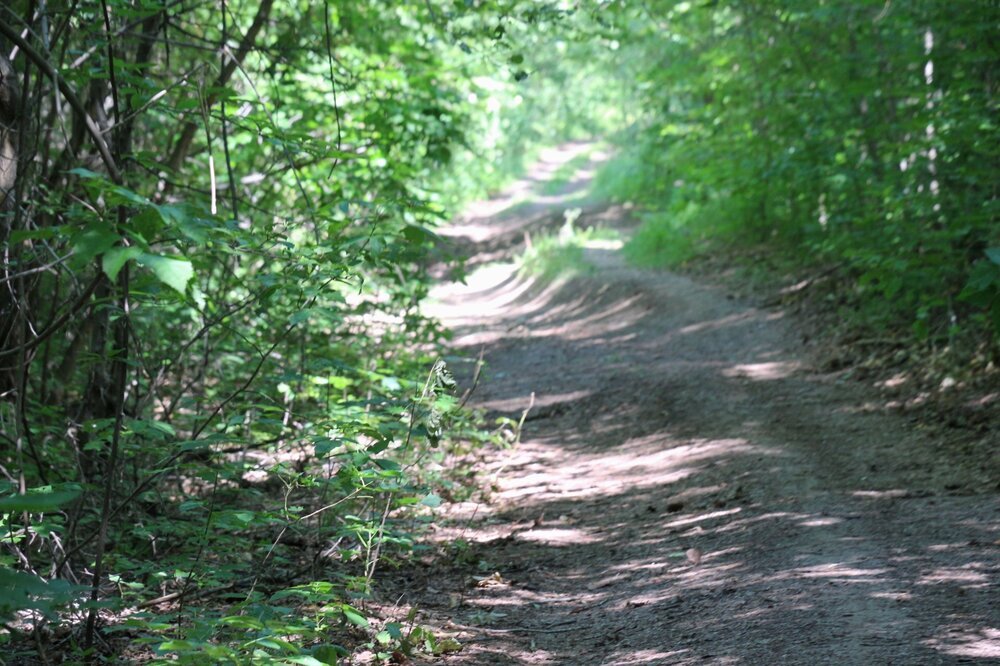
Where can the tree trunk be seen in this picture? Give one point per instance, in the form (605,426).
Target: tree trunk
(10,116)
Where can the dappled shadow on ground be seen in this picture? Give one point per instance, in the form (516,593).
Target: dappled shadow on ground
(688,490)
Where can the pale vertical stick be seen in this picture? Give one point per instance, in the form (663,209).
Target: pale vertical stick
(211,175)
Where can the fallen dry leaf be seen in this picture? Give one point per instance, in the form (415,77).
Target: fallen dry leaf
(495,579)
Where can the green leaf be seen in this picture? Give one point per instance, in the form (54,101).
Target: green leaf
(20,590)
(196,229)
(116,257)
(447,645)
(96,239)
(146,224)
(84,173)
(432,500)
(36,502)
(31,234)
(395,630)
(301,316)
(353,615)
(276,644)
(994,254)
(323,445)
(416,234)
(173,272)
(171,214)
(16,583)
(243,516)
(242,622)
(152,429)
(120,194)
(387,465)
(330,654)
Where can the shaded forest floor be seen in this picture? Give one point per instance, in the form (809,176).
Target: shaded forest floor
(692,484)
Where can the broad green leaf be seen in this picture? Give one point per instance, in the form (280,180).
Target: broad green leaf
(96,239)
(150,428)
(242,621)
(191,226)
(330,655)
(272,643)
(417,234)
(147,224)
(19,583)
(323,445)
(353,615)
(20,590)
(84,173)
(431,500)
(36,502)
(301,316)
(243,516)
(32,234)
(173,272)
(171,214)
(115,258)
(125,195)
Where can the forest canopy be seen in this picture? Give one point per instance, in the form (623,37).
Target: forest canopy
(220,397)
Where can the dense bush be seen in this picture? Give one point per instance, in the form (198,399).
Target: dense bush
(219,396)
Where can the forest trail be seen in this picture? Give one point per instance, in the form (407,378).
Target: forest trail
(688,488)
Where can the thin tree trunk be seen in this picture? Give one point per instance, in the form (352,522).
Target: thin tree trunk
(10,123)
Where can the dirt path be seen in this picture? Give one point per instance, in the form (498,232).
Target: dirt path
(689,490)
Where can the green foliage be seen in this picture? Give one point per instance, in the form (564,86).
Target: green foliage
(551,258)
(837,132)
(23,592)
(562,254)
(672,237)
(637,173)
(547,74)
(216,380)
(983,287)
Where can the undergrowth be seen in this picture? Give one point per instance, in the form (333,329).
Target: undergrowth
(562,254)
(873,295)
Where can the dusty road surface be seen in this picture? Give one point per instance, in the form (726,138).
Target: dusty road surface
(688,489)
